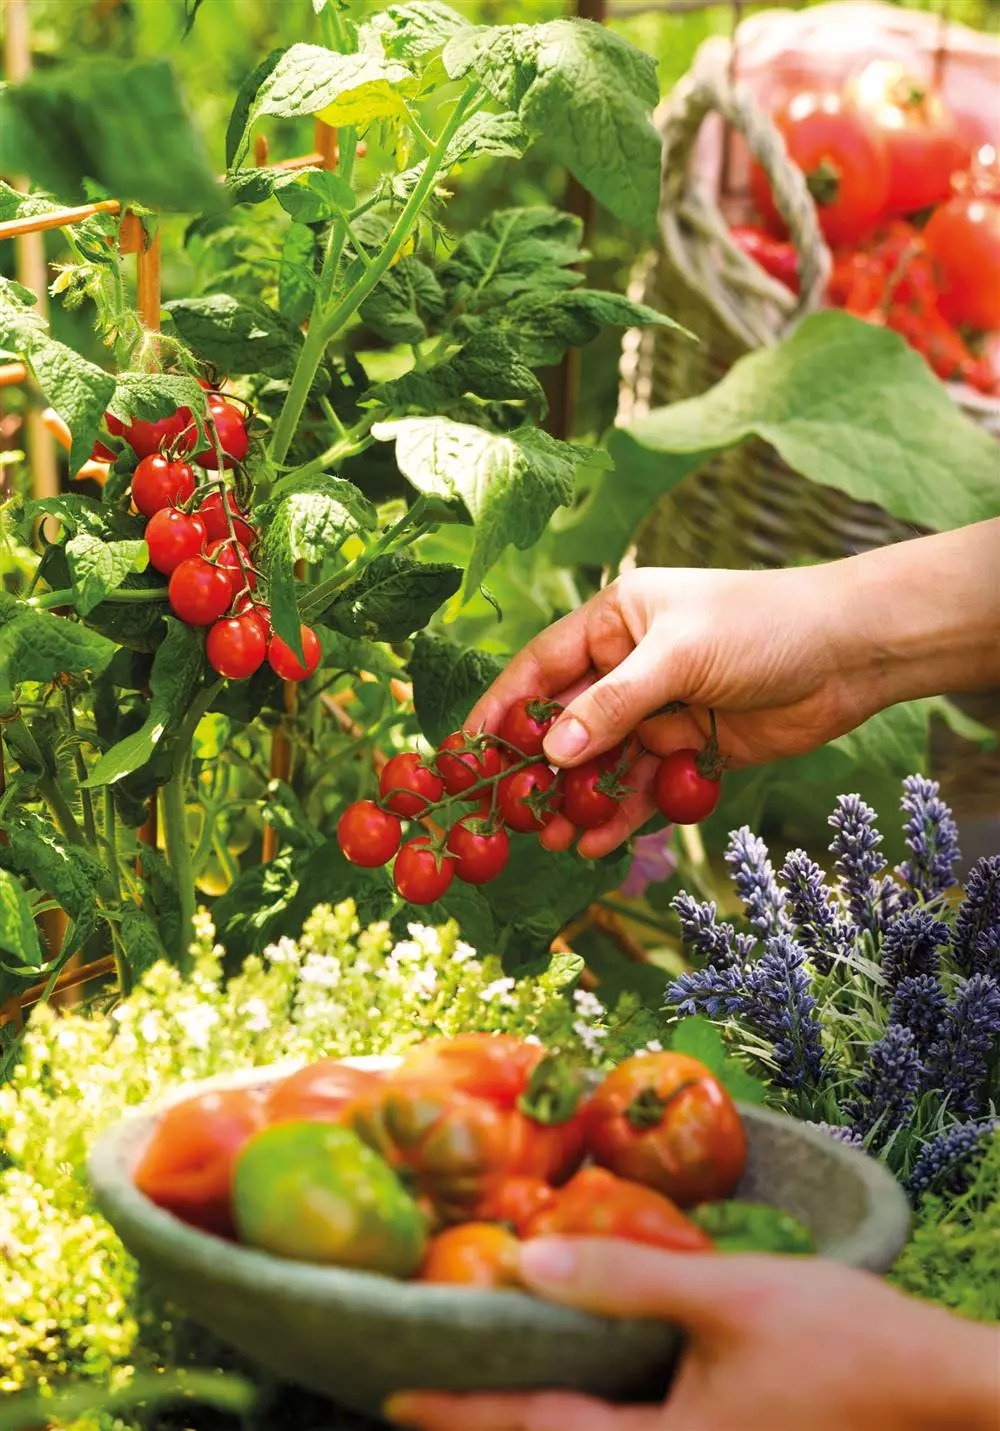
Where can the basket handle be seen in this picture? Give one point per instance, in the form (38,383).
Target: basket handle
(692,101)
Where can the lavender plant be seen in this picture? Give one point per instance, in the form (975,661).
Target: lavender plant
(872,1003)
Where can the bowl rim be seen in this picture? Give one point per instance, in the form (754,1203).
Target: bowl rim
(885,1222)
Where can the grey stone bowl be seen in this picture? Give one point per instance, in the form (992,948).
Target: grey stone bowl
(357,1337)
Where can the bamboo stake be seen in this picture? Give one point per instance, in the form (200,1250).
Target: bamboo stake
(56,218)
(12,373)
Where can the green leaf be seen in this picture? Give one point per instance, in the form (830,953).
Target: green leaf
(544,327)
(394,596)
(500,136)
(122,126)
(137,625)
(240,119)
(418,30)
(76,512)
(282,811)
(585,90)
(342,653)
(160,899)
(487,367)
(230,1394)
(511,483)
(699,1038)
(174,679)
(15,205)
(141,938)
(615,500)
(401,306)
(39,646)
(447,682)
(311,196)
(296,275)
(517,253)
(18,934)
(838,401)
(150,396)
(70,874)
(238,335)
(98,567)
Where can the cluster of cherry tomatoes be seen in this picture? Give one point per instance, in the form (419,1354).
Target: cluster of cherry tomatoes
(477,788)
(911,212)
(199,536)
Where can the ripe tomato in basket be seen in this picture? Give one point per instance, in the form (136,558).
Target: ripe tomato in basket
(922,139)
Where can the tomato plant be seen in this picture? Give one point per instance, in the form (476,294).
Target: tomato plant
(462,762)
(157,483)
(230,432)
(422,874)
(200,592)
(236,647)
(591,793)
(234,559)
(368,835)
(286,663)
(529,799)
(526,725)
(212,512)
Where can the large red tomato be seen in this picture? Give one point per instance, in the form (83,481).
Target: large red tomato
(844,159)
(963,238)
(921,137)
(319,1093)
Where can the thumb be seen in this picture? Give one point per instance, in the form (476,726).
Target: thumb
(609,710)
(614,1278)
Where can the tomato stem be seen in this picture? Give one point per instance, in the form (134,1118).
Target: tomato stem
(179,858)
(648,1107)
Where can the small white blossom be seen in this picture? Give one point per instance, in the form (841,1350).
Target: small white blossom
(499,992)
(589,1036)
(654,1046)
(256,1015)
(285,951)
(149,1027)
(588,1004)
(406,951)
(321,970)
(464,953)
(197,1023)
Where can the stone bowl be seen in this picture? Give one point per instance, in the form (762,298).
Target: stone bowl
(357,1337)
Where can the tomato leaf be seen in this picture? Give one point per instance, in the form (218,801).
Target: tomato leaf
(173,681)
(813,398)
(394,596)
(516,253)
(311,196)
(98,567)
(38,646)
(18,934)
(237,136)
(142,941)
(447,682)
(500,136)
(488,366)
(402,306)
(237,335)
(511,483)
(588,92)
(160,897)
(70,874)
(544,327)
(283,811)
(296,275)
(418,30)
(150,396)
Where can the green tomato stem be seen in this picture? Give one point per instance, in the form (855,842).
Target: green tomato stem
(179,857)
(320,595)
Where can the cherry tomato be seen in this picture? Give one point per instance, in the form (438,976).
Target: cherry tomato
(229,556)
(479,857)
(236,647)
(589,797)
(596,1203)
(528,800)
(368,835)
(479,761)
(158,483)
(407,786)
(844,159)
(964,241)
(114,425)
(318,1093)
(212,514)
(172,537)
(775,256)
(680,790)
(284,661)
(246,606)
(665,1121)
(188,1165)
(199,592)
(497,1067)
(231,431)
(146,439)
(526,724)
(101,453)
(475,1254)
(922,139)
(419,874)
(517,1201)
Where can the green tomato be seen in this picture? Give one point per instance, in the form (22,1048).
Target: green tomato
(736,1226)
(314,1192)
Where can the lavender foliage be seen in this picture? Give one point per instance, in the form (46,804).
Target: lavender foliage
(813,912)
(717,944)
(920,1005)
(753,876)
(859,863)
(888,1086)
(932,839)
(959,1061)
(781,1006)
(976,936)
(947,1161)
(718,992)
(910,946)
(841,1134)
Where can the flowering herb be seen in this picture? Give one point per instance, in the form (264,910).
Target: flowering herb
(874,1004)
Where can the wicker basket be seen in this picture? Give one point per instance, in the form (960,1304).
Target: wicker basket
(745,508)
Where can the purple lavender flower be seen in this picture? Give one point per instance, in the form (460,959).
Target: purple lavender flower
(887,1087)
(976,936)
(919,1004)
(753,876)
(782,1008)
(841,1133)
(859,862)
(718,944)
(959,1061)
(653,862)
(947,1161)
(719,992)
(932,838)
(910,946)
(813,913)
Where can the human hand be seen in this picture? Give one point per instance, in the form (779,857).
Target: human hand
(764,650)
(774,1344)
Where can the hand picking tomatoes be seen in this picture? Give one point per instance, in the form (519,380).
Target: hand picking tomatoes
(682,793)
(172,537)
(464,761)
(157,482)
(963,238)
(529,799)
(480,852)
(407,786)
(592,792)
(284,661)
(922,139)
(421,874)
(368,835)
(844,159)
(526,724)
(474,1254)
(665,1121)
(319,1093)
(199,592)
(596,1203)
(236,647)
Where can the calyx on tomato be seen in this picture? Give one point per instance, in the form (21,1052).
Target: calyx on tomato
(648,1107)
(554,1092)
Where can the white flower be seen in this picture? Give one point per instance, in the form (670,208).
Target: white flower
(406,950)
(589,1036)
(148,1027)
(654,1046)
(533,1038)
(197,1023)
(321,970)
(427,937)
(499,992)
(587,1004)
(257,1016)
(424,981)
(204,929)
(463,953)
(286,951)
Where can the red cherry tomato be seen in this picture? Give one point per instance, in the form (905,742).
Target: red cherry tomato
(148,438)
(596,1203)
(591,792)
(964,241)
(319,1092)
(419,874)
(460,771)
(236,647)
(231,431)
(844,160)
(922,139)
(213,515)
(497,1067)
(526,724)
(245,606)
(284,661)
(114,425)
(158,483)
(172,537)
(229,556)
(517,1202)
(681,792)
(368,835)
(414,783)
(199,592)
(101,453)
(527,800)
(775,256)
(478,857)
(473,1254)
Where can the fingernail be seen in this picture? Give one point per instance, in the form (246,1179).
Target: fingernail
(400,1409)
(566,740)
(548,1261)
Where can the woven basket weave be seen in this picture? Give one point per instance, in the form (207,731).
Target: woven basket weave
(745,508)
